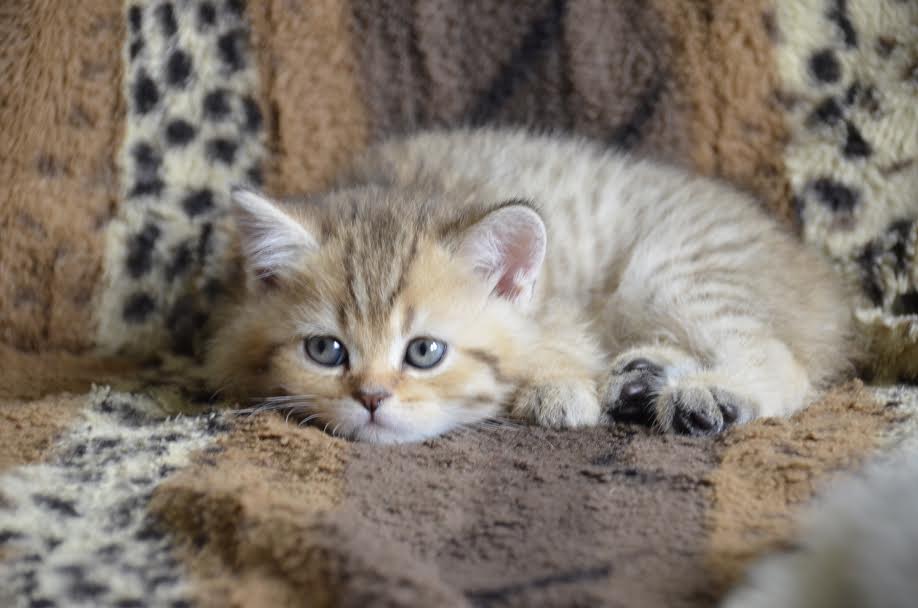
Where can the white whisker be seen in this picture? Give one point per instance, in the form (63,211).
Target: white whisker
(307,419)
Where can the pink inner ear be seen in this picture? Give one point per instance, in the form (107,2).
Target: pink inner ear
(507,248)
(508,287)
(272,241)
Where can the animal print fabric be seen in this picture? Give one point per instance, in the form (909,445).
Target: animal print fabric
(75,529)
(193,129)
(849,80)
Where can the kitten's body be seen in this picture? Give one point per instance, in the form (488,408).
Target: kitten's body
(663,297)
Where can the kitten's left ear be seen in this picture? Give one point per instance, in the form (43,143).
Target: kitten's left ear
(506,248)
(272,241)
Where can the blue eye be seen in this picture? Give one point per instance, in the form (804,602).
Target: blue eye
(326,350)
(424,353)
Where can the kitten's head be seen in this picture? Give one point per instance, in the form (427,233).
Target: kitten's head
(379,314)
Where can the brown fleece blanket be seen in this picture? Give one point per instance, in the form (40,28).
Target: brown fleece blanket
(125,126)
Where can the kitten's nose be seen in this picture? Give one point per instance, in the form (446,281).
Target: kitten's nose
(371,398)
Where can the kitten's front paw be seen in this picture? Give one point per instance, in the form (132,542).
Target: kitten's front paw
(630,391)
(643,391)
(558,406)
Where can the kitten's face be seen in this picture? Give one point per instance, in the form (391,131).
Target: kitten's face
(375,334)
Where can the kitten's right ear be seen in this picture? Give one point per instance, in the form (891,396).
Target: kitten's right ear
(506,248)
(272,241)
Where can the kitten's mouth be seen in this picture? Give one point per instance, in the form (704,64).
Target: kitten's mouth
(375,422)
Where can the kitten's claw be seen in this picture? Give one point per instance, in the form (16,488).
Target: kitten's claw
(558,406)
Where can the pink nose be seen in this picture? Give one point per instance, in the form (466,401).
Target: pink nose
(371,398)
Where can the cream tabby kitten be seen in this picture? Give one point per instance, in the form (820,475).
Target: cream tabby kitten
(455,276)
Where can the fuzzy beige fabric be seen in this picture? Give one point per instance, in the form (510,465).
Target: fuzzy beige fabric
(62,116)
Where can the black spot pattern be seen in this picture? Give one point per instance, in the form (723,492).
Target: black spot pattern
(824,66)
(59,505)
(906,303)
(839,14)
(182,321)
(855,145)
(870,280)
(835,195)
(254,175)
(252,114)
(135,48)
(181,260)
(232,48)
(147,162)
(150,187)
(852,93)
(178,68)
(885,266)
(146,158)
(140,251)
(216,104)
(222,149)
(179,132)
(237,7)
(87,590)
(8,535)
(198,202)
(135,18)
(138,307)
(145,93)
(827,112)
(207,15)
(166,15)
(898,232)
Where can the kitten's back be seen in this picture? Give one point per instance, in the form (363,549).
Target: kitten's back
(604,210)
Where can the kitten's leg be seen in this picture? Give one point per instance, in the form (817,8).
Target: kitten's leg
(561,404)
(557,379)
(750,376)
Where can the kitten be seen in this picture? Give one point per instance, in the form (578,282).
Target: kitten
(455,276)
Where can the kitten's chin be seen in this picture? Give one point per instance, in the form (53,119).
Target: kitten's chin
(393,427)
(376,433)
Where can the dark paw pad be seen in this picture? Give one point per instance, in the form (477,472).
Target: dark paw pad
(634,402)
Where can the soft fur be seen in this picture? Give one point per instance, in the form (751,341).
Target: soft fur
(859,547)
(570,283)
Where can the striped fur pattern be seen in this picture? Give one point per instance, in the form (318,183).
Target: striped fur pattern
(663,298)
